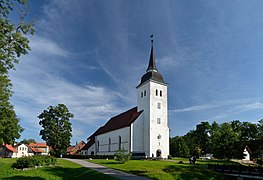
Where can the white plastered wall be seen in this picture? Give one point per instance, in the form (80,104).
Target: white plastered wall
(103,139)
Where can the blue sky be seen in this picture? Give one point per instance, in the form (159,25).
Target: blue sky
(90,55)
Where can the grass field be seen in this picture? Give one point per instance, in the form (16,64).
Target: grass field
(63,170)
(165,169)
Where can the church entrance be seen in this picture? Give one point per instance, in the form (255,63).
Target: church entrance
(158,153)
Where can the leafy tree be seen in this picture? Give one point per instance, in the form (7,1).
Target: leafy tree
(28,141)
(56,128)
(223,141)
(202,134)
(13,44)
(181,149)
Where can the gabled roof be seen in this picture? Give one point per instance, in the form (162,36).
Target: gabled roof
(10,148)
(89,144)
(37,150)
(39,145)
(76,149)
(117,122)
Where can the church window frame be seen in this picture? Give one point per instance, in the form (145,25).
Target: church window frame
(158,120)
(141,94)
(156,92)
(109,144)
(144,92)
(161,93)
(119,143)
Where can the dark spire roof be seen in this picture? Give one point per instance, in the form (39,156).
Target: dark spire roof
(151,72)
(122,120)
(151,66)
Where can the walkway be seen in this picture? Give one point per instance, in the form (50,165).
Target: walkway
(110,172)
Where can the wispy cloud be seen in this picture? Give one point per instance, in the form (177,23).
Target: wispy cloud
(47,46)
(36,87)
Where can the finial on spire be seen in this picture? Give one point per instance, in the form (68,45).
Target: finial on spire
(151,38)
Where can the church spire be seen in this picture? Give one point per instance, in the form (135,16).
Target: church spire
(151,66)
(151,72)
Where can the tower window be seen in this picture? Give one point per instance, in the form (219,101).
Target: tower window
(144,92)
(158,120)
(141,94)
(161,93)
(156,92)
(159,105)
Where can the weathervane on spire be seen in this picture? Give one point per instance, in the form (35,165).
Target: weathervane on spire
(151,38)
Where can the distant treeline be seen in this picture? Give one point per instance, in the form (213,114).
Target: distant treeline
(224,141)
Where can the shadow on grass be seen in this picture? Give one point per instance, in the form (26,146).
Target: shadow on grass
(111,163)
(25,178)
(192,172)
(76,173)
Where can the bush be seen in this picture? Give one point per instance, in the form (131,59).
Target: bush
(89,156)
(122,157)
(32,161)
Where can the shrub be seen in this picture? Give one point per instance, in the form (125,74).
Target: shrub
(89,156)
(122,157)
(32,161)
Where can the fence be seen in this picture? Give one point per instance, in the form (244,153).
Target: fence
(237,169)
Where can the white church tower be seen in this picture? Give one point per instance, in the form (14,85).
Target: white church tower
(152,99)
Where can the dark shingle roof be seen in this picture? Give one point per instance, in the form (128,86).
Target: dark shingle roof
(151,72)
(117,122)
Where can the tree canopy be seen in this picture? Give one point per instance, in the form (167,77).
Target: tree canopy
(56,128)
(13,44)
(226,140)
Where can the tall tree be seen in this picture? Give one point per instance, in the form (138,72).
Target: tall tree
(56,128)
(224,140)
(181,149)
(13,44)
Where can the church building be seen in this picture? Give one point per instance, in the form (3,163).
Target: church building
(139,130)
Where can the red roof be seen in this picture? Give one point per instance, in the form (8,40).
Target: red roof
(117,122)
(37,150)
(10,148)
(39,145)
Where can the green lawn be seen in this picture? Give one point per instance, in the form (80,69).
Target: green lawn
(63,170)
(164,169)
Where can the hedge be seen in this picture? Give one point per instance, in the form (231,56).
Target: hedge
(89,156)
(33,161)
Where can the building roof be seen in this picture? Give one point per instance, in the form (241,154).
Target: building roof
(117,122)
(89,144)
(37,150)
(151,72)
(10,148)
(76,149)
(39,145)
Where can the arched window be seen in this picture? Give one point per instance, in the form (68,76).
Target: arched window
(109,144)
(141,94)
(161,93)
(119,142)
(98,146)
(156,92)
(144,92)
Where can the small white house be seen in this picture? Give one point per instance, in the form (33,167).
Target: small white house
(246,153)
